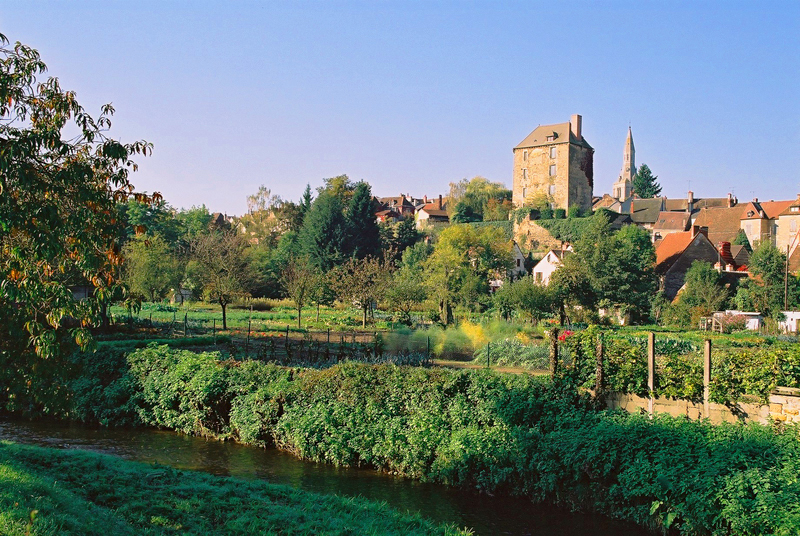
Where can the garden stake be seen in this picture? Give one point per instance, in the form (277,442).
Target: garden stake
(706,377)
(651,371)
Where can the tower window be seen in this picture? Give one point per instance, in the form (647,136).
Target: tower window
(552,170)
(552,189)
(524,174)
(524,193)
(553,152)
(525,155)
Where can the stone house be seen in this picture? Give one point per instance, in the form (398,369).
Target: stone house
(400,204)
(555,161)
(675,254)
(787,228)
(759,219)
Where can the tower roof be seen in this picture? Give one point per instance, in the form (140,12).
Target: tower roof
(560,132)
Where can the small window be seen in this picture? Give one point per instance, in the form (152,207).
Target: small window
(795,209)
(552,189)
(517,263)
(793,226)
(550,138)
(553,152)
(525,155)
(538,277)
(552,170)
(524,174)
(524,193)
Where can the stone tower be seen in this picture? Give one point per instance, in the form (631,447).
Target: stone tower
(622,188)
(555,161)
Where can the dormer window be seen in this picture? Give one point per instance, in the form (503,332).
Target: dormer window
(795,209)
(750,213)
(551,138)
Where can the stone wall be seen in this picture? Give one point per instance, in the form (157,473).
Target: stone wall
(784,406)
(531,236)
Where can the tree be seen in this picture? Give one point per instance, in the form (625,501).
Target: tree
(619,267)
(323,236)
(741,240)
(645,184)
(704,288)
(61,179)
(222,267)
(363,236)
(765,291)
(151,269)
(299,279)
(406,291)
(461,263)
(193,222)
(361,282)
(475,195)
(464,213)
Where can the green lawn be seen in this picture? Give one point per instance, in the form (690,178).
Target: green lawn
(77,492)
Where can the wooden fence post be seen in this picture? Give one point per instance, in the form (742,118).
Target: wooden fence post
(215,331)
(553,352)
(428,349)
(651,371)
(598,375)
(488,360)
(247,344)
(185,324)
(706,377)
(286,343)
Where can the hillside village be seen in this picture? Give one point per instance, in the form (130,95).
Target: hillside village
(553,173)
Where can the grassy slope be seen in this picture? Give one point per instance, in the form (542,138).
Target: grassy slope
(78,492)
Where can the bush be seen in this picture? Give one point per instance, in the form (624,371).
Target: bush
(559,214)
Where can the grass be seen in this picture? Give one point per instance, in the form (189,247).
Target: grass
(48,491)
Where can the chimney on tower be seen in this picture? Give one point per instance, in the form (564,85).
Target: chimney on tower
(440,201)
(690,202)
(575,125)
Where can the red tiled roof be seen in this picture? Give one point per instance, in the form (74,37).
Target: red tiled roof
(670,248)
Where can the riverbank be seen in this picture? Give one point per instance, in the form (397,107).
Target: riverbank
(49,492)
(504,434)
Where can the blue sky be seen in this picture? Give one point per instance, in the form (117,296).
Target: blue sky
(410,96)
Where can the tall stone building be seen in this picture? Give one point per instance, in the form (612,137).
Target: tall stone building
(623,187)
(555,160)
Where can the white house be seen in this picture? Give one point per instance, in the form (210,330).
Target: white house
(549,264)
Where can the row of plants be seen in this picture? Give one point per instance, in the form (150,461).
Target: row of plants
(53,492)
(737,371)
(498,433)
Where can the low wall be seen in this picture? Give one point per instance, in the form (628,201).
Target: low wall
(784,406)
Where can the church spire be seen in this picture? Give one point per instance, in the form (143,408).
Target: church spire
(622,188)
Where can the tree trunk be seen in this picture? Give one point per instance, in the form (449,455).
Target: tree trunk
(364,322)
(224,316)
(317,312)
(299,313)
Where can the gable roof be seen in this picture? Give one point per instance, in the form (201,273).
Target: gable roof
(671,221)
(645,210)
(670,248)
(723,223)
(765,209)
(561,133)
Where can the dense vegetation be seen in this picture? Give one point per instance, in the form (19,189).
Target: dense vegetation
(50,492)
(520,435)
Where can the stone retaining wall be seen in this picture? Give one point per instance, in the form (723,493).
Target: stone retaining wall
(784,406)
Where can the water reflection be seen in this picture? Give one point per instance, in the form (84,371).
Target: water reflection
(486,515)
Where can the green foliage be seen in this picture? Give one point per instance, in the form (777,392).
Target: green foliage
(151,269)
(61,180)
(567,230)
(478,199)
(559,214)
(79,492)
(363,237)
(704,289)
(765,292)
(323,237)
(645,184)
(741,240)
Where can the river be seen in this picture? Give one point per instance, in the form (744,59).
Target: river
(486,515)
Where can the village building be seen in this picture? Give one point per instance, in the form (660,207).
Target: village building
(554,162)
(787,233)
(670,222)
(430,213)
(759,219)
(549,264)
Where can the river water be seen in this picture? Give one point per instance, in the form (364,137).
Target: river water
(486,515)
